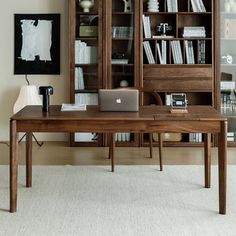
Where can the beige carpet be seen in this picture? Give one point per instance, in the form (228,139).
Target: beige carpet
(135,200)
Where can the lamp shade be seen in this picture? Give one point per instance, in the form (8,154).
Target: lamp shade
(28,96)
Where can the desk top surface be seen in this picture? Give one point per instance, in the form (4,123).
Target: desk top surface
(92,113)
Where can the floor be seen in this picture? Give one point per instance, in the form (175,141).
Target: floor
(59,153)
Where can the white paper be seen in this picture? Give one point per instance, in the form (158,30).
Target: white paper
(36,40)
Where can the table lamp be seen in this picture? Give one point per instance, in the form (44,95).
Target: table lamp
(28,96)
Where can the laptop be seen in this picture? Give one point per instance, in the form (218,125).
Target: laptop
(118,99)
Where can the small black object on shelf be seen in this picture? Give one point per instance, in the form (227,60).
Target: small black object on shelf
(46,91)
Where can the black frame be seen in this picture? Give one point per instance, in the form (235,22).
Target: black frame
(37,66)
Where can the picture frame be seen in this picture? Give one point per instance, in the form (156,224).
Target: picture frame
(37,44)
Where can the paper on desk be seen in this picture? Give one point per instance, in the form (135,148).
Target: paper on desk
(73,107)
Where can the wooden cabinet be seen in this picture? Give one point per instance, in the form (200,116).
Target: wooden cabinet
(182,60)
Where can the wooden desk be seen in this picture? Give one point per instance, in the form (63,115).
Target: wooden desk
(199,119)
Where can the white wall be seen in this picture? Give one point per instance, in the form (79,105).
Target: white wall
(9,83)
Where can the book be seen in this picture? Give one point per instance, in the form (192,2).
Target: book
(147,26)
(159,53)
(189,52)
(163,51)
(148,51)
(175,5)
(176,52)
(73,107)
(198,6)
(169,6)
(174,55)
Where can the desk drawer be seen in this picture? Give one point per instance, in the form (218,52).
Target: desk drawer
(179,79)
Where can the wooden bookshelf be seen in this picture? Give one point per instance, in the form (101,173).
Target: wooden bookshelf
(200,81)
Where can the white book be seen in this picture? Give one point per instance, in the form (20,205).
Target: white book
(73,107)
(159,54)
(202,7)
(173,52)
(169,6)
(163,51)
(127,135)
(149,27)
(145,27)
(179,52)
(187,51)
(194,5)
(80,78)
(175,5)
(86,98)
(148,52)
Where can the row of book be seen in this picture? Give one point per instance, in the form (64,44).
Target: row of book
(86,98)
(176,52)
(198,6)
(85,54)
(122,137)
(122,32)
(79,78)
(195,137)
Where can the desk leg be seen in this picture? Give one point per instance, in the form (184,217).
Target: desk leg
(112,150)
(207,159)
(222,166)
(29,159)
(13,165)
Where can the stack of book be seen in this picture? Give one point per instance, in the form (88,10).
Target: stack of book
(85,54)
(198,6)
(195,137)
(194,31)
(147,27)
(148,51)
(189,52)
(176,52)
(172,5)
(122,32)
(79,78)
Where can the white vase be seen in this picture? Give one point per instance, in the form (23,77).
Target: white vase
(86,5)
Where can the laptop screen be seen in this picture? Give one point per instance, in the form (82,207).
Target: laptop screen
(118,99)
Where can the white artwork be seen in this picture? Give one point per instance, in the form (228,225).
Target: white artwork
(33,44)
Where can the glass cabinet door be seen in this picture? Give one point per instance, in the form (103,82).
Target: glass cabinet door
(228,65)
(122,44)
(122,52)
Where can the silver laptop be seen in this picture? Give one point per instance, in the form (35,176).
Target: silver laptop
(118,99)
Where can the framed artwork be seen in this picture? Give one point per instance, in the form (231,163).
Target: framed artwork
(37,44)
